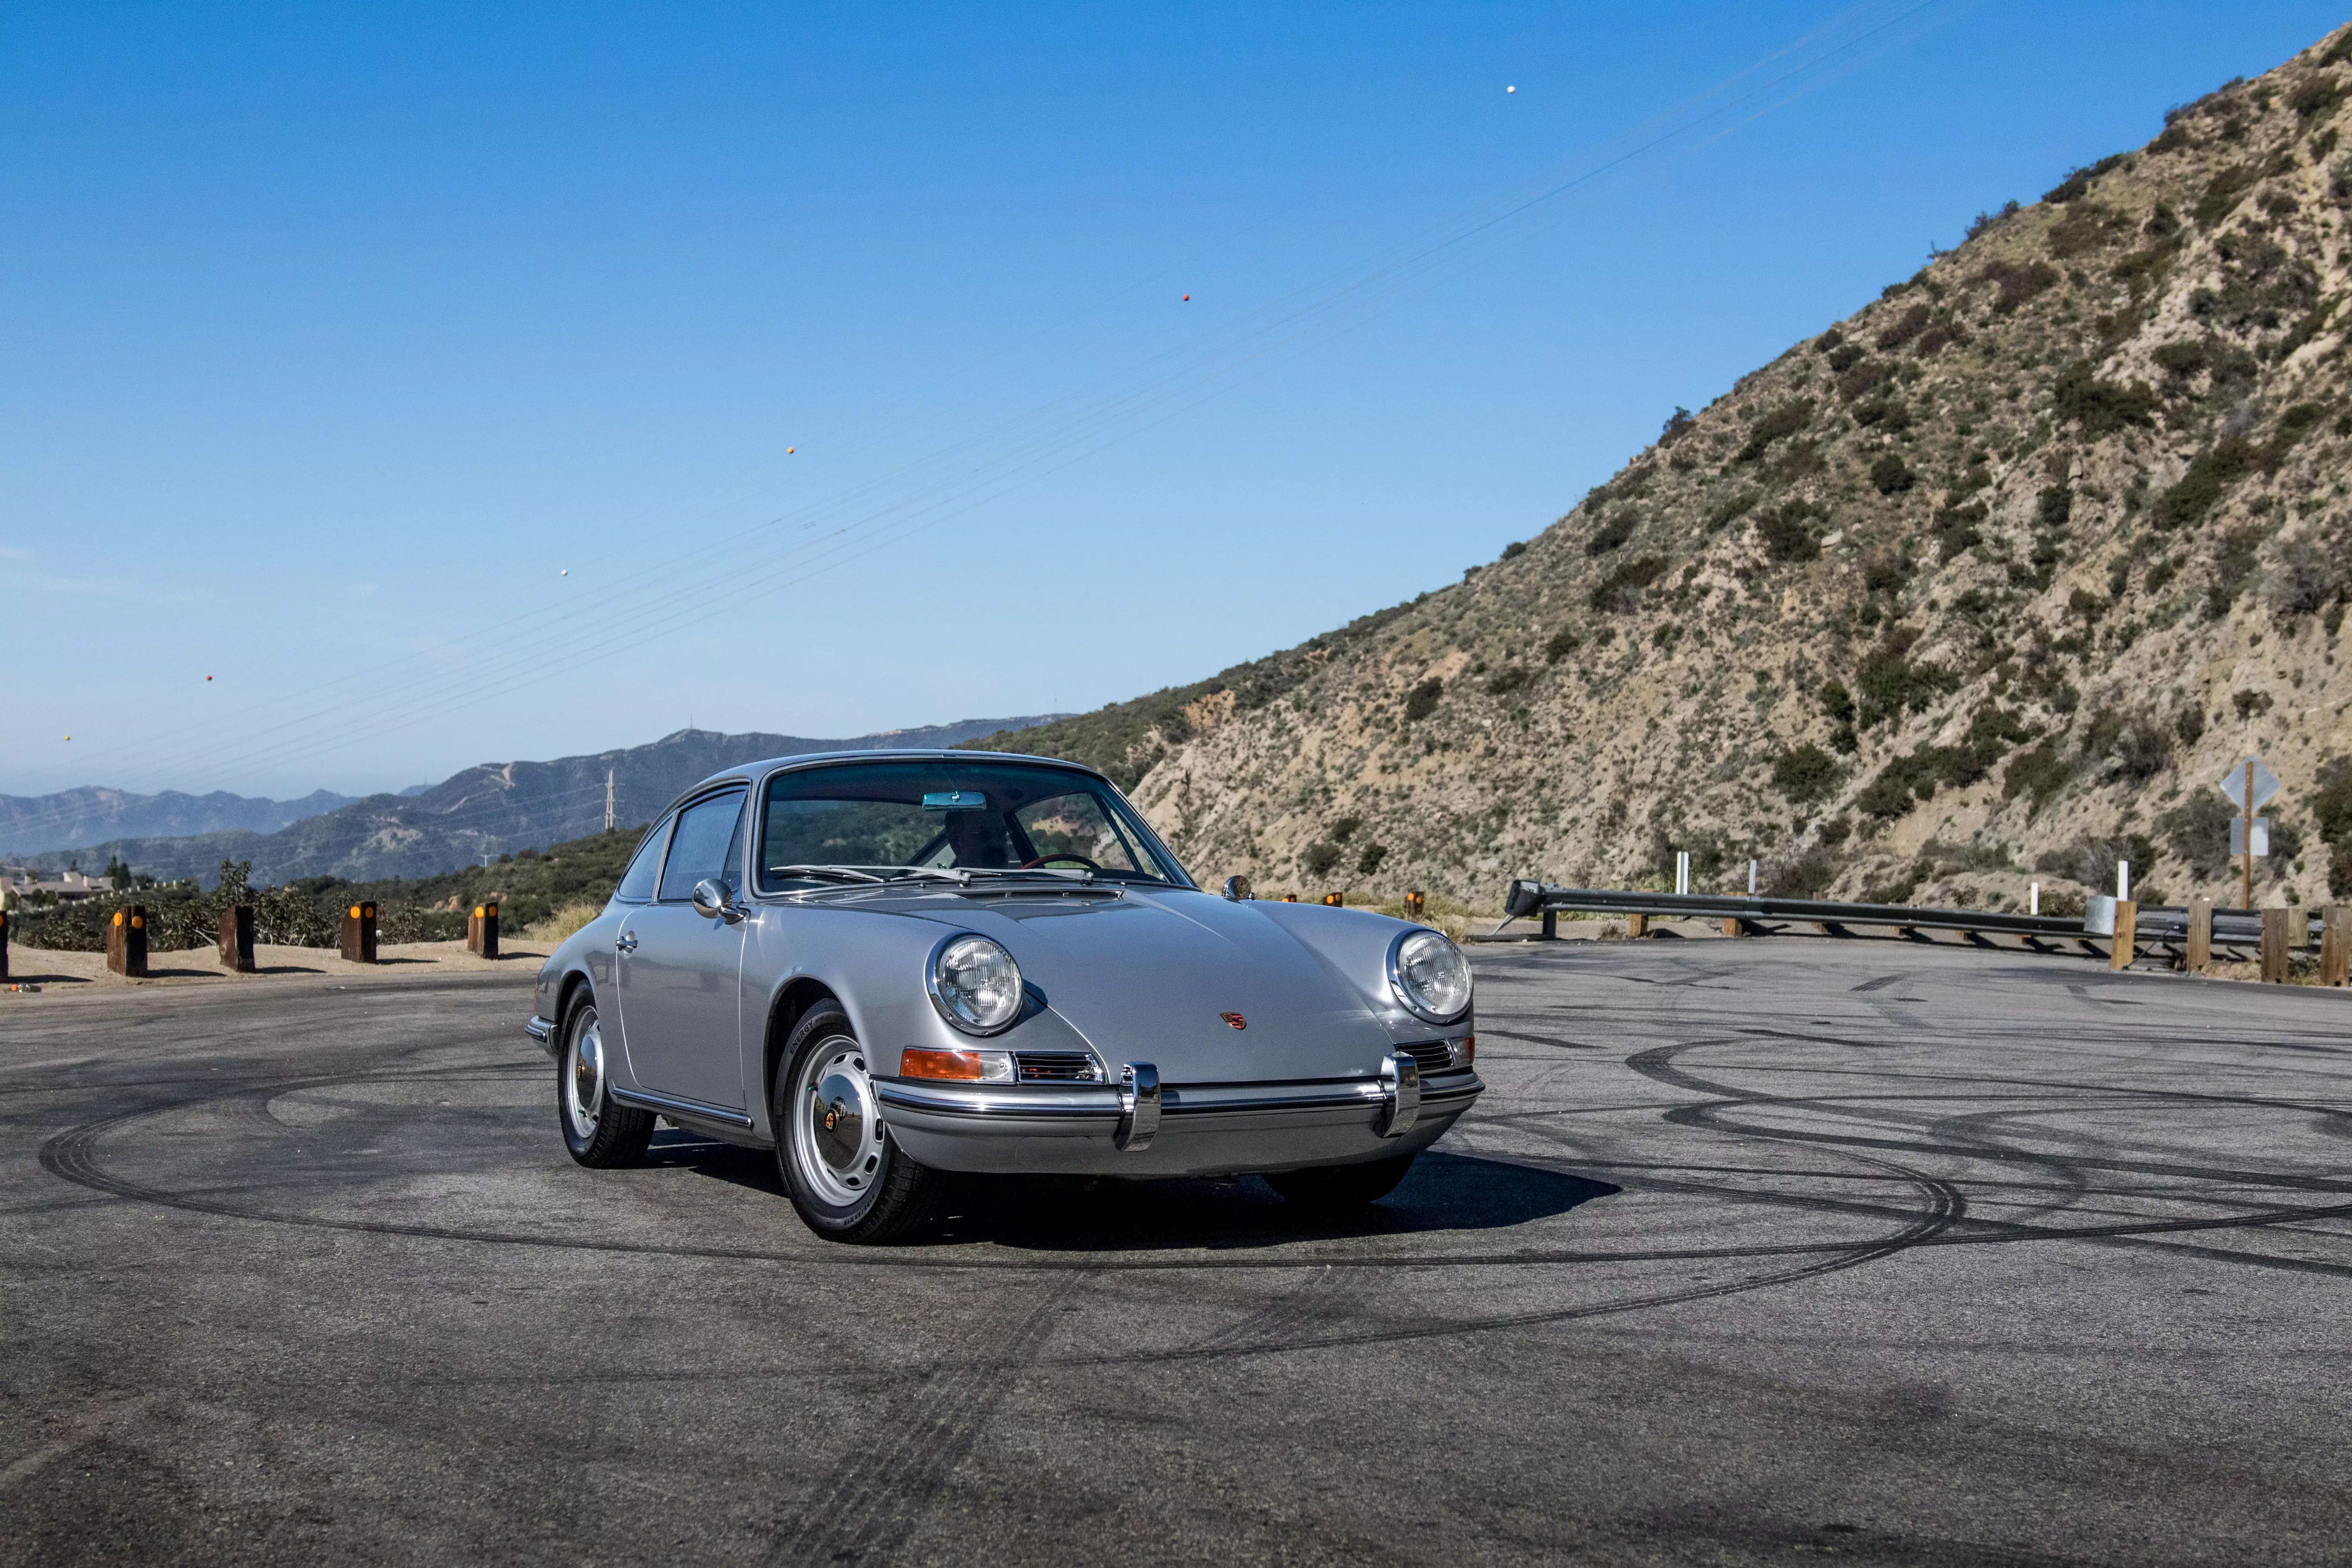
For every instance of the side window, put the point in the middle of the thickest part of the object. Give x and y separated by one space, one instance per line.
698 848
637 881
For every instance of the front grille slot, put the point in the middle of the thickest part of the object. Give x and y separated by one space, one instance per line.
1431 1057
1058 1067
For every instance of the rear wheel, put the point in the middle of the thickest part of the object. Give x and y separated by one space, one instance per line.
1341 1186
848 1176
598 1130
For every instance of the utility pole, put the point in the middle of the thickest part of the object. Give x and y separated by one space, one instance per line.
608 800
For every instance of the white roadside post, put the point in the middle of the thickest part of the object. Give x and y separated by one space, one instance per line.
1682 871
2034 899
1751 878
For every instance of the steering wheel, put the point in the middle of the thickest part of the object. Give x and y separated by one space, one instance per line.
1042 859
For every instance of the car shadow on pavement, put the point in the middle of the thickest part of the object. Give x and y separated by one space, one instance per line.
1443 1192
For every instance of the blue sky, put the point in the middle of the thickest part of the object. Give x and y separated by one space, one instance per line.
427 376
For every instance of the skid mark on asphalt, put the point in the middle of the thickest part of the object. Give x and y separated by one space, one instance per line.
877 1495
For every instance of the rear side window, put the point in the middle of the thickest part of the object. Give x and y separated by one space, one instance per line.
637 881
698 848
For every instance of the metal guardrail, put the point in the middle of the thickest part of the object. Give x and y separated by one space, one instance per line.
2155 923
1526 898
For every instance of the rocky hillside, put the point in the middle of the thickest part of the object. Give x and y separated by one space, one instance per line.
1990 581
29 824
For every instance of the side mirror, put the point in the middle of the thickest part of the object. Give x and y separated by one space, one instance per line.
1237 889
714 899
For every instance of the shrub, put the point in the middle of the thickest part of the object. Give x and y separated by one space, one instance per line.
2223 192
1805 773
2316 98
2331 810
2101 407
2083 603
1679 423
1777 424
1612 534
1808 876
2181 359
1863 379
2055 505
1342 828
2249 703
1888 683
1729 512
1904 328
2307 577
1621 589
1321 857
1560 644
1370 860
2018 283
1891 475
1984 221
2197 831
1514 549
1787 534
1956 529
1837 701
2233 563
2087 227
1422 700
1846 357
1884 570
2038 772
1508 678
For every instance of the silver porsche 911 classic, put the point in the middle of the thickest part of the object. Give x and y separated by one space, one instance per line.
886 965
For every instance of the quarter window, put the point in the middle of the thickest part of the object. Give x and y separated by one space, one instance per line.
699 849
637 881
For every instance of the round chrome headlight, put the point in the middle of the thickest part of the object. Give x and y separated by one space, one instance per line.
1430 976
975 985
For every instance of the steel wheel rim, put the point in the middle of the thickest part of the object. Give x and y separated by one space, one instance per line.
583 1076
837 1131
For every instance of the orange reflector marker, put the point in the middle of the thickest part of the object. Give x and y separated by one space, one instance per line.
962 1065
118 917
1469 1050
355 912
138 921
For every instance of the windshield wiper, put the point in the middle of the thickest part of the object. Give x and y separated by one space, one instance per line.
834 873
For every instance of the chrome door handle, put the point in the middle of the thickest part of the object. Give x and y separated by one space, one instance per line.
628 943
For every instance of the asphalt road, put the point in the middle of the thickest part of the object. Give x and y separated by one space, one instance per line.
1755 1251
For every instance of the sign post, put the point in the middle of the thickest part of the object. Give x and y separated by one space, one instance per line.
2250 786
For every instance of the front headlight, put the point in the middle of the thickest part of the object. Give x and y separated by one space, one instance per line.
975 985
1430 976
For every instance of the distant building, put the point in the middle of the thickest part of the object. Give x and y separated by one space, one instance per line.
18 885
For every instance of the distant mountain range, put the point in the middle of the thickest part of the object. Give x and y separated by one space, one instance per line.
30 824
492 809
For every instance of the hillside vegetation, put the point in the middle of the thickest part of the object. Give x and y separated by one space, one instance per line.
1990 580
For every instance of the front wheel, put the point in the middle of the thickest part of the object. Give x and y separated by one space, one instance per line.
1341 1187
847 1175
598 1130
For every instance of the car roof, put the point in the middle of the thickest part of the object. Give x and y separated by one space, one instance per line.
744 773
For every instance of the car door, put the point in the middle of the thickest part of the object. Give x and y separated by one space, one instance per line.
680 971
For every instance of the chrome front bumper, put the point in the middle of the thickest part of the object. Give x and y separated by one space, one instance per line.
540 1029
1201 1129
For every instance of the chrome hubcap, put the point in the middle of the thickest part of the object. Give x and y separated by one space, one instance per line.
837 1136
583 1081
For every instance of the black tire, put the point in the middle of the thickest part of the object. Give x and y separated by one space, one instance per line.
847 1175
1341 1186
599 1131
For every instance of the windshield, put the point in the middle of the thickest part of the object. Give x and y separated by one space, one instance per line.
904 818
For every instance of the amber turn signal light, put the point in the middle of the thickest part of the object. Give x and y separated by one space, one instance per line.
963 1067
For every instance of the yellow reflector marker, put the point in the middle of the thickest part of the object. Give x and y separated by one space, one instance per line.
137 921
118 917
355 912
478 911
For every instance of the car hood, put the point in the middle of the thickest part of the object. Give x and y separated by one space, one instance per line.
1151 975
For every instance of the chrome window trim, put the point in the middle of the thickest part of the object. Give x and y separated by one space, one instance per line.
662 825
1404 994
701 797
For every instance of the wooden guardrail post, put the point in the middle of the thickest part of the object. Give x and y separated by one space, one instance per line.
2198 957
1336 901
482 931
1416 906
358 944
126 942
2274 947
237 939
2335 955
1732 926
4 944
2121 950
1637 925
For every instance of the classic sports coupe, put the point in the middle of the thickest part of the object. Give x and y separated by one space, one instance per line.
885 965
